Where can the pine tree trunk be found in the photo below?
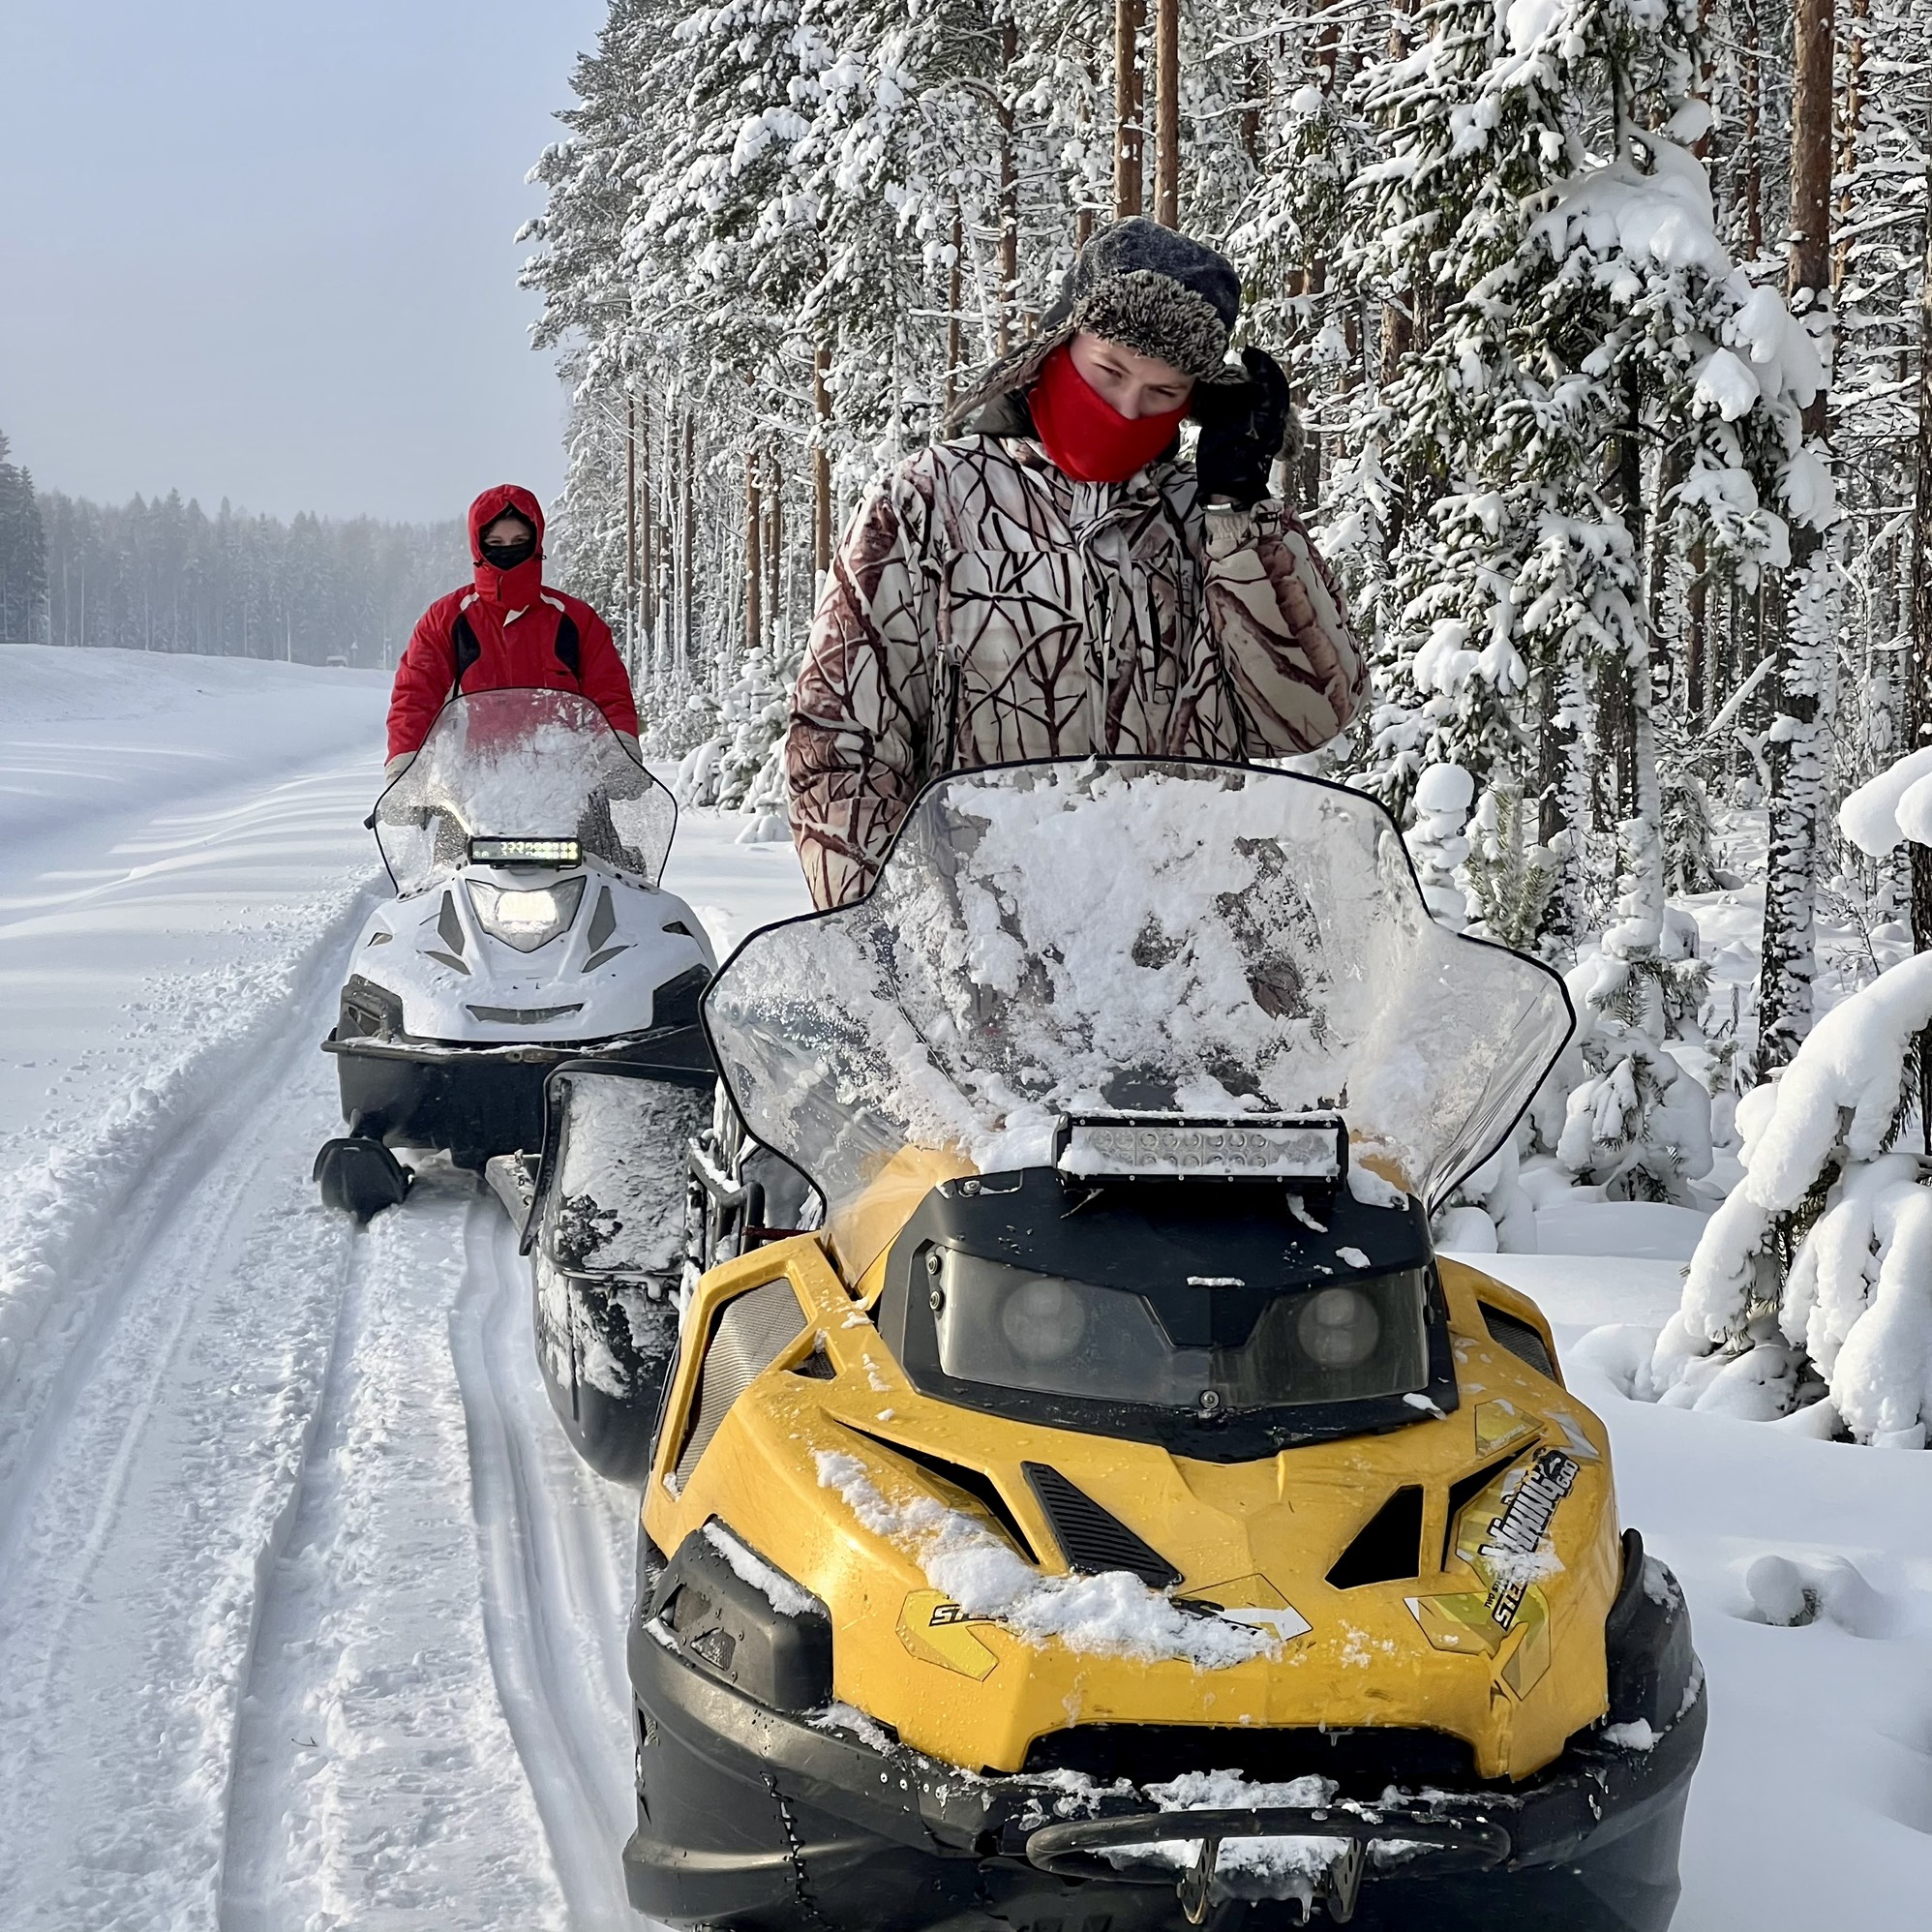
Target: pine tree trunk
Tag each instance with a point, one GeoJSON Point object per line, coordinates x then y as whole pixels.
{"type": "Point", "coordinates": [648, 568]}
{"type": "Point", "coordinates": [1168, 112]}
{"type": "Point", "coordinates": [688, 544]}
{"type": "Point", "coordinates": [630, 533]}
{"type": "Point", "coordinates": [1562, 805]}
{"type": "Point", "coordinates": [1754, 127]}
{"type": "Point", "coordinates": [1805, 657]}
{"type": "Point", "coordinates": [955, 294]}
{"type": "Point", "coordinates": [1919, 712]}
{"type": "Point", "coordinates": [754, 556]}
{"type": "Point", "coordinates": [1009, 254]}
{"type": "Point", "coordinates": [1850, 126]}
{"type": "Point", "coordinates": [822, 455]}
{"type": "Point", "coordinates": [1128, 132]}
{"type": "Point", "coordinates": [1696, 640]}
{"type": "Point", "coordinates": [774, 546]}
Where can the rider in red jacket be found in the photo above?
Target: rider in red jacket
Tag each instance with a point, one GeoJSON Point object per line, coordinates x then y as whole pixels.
{"type": "Point", "coordinates": [508, 630]}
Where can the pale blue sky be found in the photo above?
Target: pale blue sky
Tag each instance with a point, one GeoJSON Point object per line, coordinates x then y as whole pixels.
{"type": "Point", "coordinates": [266, 251]}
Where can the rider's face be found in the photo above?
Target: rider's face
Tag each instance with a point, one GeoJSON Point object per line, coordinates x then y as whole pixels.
{"type": "Point", "coordinates": [1137, 385]}
{"type": "Point", "coordinates": [507, 529]}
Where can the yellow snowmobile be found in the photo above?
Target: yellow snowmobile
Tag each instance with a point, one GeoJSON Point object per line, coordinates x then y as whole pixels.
{"type": "Point", "coordinates": [1114, 1515]}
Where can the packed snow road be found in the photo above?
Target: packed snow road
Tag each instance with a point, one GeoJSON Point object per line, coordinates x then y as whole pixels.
{"type": "Point", "coordinates": [308, 1615]}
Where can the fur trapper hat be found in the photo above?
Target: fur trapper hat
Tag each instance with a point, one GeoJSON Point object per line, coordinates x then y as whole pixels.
{"type": "Point", "coordinates": [1142, 285]}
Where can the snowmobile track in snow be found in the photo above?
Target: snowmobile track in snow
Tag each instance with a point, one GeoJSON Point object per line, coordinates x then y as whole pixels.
{"type": "Point", "coordinates": [148, 1481]}
{"type": "Point", "coordinates": [308, 1613]}
{"type": "Point", "coordinates": [214, 1122]}
{"type": "Point", "coordinates": [526, 1701]}
{"type": "Point", "coordinates": [556, 1580]}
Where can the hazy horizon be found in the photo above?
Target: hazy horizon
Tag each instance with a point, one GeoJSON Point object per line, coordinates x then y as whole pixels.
{"type": "Point", "coordinates": [271, 256]}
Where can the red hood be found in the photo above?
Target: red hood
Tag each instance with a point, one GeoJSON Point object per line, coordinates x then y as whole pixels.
{"type": "Point", "coordinates": [513, 589]}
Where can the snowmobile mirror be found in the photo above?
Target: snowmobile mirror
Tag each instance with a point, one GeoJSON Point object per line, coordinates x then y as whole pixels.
{"type": "Point", "coordinates": [525, 852]}
{"type": "Point", "coordinates": [1306, 1147]}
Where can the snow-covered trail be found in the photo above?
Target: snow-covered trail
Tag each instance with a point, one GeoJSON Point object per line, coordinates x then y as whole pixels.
{"type": "Point", "coordinates": [308, 1614]}
{"type": "Point", "coordinates": [396, 1744]}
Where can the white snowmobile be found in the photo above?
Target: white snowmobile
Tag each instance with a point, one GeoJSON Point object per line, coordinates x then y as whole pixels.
{"type": "Point", "coordinates": [527, 931]}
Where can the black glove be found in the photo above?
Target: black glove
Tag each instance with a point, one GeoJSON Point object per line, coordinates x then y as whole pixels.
{"type": "Point", "coordinates": [1242, 427]}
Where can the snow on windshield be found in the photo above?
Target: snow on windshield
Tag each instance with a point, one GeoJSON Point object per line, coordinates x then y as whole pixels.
{"type": "Point", "coordinates": [522, 763]}
{"type": "Point", "coordinates": [619, 1200]}
{"type": "Point", "coordinates": [1073, 938]}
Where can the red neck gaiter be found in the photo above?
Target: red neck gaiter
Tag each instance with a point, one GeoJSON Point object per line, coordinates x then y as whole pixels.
{"type": "Point", "coordinates": [1084, 434]}
{"type": "Point", "coordinates": [515, 589]}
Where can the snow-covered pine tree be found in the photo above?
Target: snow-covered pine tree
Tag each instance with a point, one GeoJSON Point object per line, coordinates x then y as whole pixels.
{"type": "Point", "coordinates": [23, 581]}
{"type": "Point", "coordinates": [1578, 310]}
{"type": "Point", "coordinates": [1639, 1126]}
{"type": "Point", "coordinates": [1436, 842]}
{"type": "Point", "coordinates": [1813, 1280]}
{"type": "Point", "coordinates": [1510, 875]}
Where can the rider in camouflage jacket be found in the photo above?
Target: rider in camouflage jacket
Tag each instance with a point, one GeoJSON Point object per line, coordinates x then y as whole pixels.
{"type": "Point", "coordinates": [988, 605]}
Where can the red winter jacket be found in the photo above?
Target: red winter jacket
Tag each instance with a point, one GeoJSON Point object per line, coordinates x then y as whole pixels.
{"type": "Point", "coordinates": [509, 631]}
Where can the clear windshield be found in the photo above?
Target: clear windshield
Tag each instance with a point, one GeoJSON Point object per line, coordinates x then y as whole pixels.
{"type": "Point", "coordinates": [523, 765]}
{"type": "Point", "coordinates": [1193, 940]}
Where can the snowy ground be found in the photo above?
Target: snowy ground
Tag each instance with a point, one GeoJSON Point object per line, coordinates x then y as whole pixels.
{"type": "Point", "coordinates": [308, 1618]}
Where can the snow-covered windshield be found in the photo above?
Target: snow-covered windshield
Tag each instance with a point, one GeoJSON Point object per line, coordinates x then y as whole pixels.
{"type": "Point", "coordinates": [1130, 937]}
{"type": "Point", "coordinates": [523, 765]}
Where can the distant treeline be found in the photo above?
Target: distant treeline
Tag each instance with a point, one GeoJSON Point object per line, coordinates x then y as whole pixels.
{"type": "Point", "coordinates": [160, 574]}
{"type": "Point", "coordinates": [23, 553]}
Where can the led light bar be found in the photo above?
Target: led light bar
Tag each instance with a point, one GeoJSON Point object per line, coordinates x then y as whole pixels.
{"type": "Point", "coordinates": [1309, 1147]}
{"type": "Point", "coordinates": [525, 852]}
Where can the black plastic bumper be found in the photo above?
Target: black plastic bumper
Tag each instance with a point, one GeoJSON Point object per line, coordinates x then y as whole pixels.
{"type": "Point", "coordinates": [752, 1818]}
{"type": "Point", "coordinates": [482, 1100]}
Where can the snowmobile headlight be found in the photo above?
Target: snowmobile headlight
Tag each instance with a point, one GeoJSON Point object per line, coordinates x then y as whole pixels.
{"type": "Point", "coordinates": [1012, 1328]}
{"type": "Point", "coordinates": [1339, 1327]}
{"type": "Point", "coordinates": [1043, 1320]}
{"type": "Point", "coordinates": [525, 852]}
{"type": "Point", "coordinates": [525, 920]}
{"type": "Point", "coordinates": [1311, 1148]}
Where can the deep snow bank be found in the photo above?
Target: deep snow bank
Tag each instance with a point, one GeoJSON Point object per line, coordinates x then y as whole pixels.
{"type": "Point", "coordinates": [1814, 1802]}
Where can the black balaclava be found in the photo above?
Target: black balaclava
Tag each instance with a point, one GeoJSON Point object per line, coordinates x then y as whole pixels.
{"type": "Point", "coordinates": [507, 556]}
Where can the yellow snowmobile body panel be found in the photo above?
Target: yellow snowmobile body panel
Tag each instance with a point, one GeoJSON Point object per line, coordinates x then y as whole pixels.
{"type": "Point", "coordinates": [1498, 1641]}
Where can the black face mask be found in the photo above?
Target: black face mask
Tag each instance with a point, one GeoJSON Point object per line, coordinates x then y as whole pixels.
{"type": "Point", "coordinates": [507, 556]}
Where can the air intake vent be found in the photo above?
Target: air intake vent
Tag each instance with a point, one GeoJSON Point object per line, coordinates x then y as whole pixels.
{"type": "Point", "coordinates": [974, 1483]}
{"type": "Point", "coordinates": [1464, 1491]}
{"type": "Point", "coordinates": [1520, 1338]}
{"type": "Point", "coordinates": [1092, 1540]}
{"type": "Point", "coordinates": [603, 921]}
{"type": "Point", "coordinates": [753, 1332]}
{"type": "Point", "coordinates": [1387, 1548]}
{"type": "Point", "coordinates": [526, 1016]}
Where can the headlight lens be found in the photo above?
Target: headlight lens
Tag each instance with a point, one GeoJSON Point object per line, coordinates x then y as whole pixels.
{"type": "Point", "coordinates": [1338, 1328]}
{"type": "Point", "coordinates": [525, 920]}
{"type": "Point", "coordinates": [1043, 1320]}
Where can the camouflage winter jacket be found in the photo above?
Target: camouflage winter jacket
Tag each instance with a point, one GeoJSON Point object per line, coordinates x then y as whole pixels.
{"type": "Point", "coordinates": [985, 607]}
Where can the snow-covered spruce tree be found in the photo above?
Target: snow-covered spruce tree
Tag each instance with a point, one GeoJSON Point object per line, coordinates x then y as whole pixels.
{"type": "Point", "coordinates": [1813, 1280]}
{"type": "Point", "coordinates": [1639, 1126]}
{"type": "Point", "coordinates": [1509, 875]}
{"type": "Point", "coordinates": [1884, 122]}
{"type": "Point", "coordinates": [1436, 842]}
{"type": "Point", "coordinates": [1572, 309]}
{"type": "Point", "coordinates": [1593, 384]}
